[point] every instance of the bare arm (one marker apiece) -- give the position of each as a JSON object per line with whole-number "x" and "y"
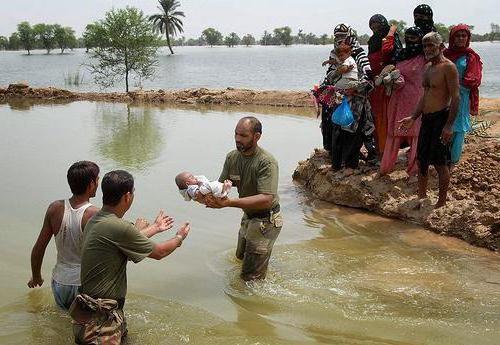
{"x": 257, "y": 202}
{"x": 38, "y": 251}
{"x": 163, "y": 249}
{"x": 453, "y": 85}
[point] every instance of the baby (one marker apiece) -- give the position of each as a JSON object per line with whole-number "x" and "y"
{"x": 194, "y": 187}
{"x": 345, "y": 75}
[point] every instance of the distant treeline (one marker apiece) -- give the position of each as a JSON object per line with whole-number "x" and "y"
{"x": 55, "y": 36}
{"x": 284, "y": 36}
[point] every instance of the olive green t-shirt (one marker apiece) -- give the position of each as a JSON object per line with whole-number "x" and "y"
{"x": 252, "y": 175}
{"x": 108, "y": 243}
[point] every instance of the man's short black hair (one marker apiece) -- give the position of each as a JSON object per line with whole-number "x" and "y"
{"x": 80, "y": 175}
{"x": 114, "y": 185}
{"x": 254, "y": 123}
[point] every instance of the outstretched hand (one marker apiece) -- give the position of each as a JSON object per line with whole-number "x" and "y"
{"x": 163, "y": 222}
{"x": 184, "y": 230}
{"x": 141, "y": 223}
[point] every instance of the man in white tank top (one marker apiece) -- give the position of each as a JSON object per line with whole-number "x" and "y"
{"x": 65, "y": 220}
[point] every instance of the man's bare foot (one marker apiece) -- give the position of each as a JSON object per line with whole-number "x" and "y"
{"x": 348, "y": 172}
{"x": 440, "y": 204}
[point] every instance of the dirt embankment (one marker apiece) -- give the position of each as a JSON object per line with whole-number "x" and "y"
{"x": 201, "y": 96}
{"x": 471, "y": 214}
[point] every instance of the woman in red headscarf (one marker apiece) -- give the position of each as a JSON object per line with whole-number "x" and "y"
{"x": 470, "y": 70}
{"x": 382, "y": 46}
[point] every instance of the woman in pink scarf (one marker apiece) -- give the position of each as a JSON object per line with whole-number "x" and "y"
{"x": 407, "y": 92}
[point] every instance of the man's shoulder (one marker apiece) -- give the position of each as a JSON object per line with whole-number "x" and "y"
{"x": 108, "y": 222}
{"x": 55, "y": 208}
{"x": 266, "y": 157}
{"x": 232, "y": 154}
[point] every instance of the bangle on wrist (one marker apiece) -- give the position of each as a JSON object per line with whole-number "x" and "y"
{"x": 180, "y": 238}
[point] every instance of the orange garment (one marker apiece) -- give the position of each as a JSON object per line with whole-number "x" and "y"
{"x": 378, "y": 99}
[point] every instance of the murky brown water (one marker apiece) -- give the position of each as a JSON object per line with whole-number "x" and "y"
{"x": 337, "y": 275}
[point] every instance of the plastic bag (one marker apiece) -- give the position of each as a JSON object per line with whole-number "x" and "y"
{"x": 342, "y": 115}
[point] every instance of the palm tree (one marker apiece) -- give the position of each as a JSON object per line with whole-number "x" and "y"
{"x": 168, "y": 21}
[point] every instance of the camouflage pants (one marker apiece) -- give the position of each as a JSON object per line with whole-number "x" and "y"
{"x": 97, "y": 321}
{"x": 255, "y": 243}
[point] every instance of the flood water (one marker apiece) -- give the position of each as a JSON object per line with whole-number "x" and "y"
{"x": 337, "y": 275}
{"x": 257, "y": 67}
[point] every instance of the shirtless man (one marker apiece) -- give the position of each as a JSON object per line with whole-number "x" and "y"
{"x": 438, "y": 107}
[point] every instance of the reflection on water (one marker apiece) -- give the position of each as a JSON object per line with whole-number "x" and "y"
{"x": 128, "y": 135}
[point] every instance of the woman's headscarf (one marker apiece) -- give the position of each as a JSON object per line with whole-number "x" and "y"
{"x": 426, "y": 25}
{"x": 411, "y": 49}
{"x": 375, "y": 42}
{"x": 344, "y": 33}
{"x": 474, "y": 70}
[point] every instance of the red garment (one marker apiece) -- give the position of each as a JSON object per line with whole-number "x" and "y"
{"x": 378, "y": 98}
{"x": 474, "y": 71}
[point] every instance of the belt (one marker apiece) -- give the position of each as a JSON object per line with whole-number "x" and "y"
{"x": 264, "y": 214}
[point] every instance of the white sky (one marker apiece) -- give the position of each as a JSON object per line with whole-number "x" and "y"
{"x": 253, "y": 16}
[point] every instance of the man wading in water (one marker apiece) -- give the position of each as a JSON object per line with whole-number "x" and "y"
{"x": 254, "y": 172}
{"x": 65, "y": 220}
{"x": 109, "y": 243}
{"x": 438, "y": 107}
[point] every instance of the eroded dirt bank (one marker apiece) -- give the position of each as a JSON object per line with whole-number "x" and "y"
{"x": 471, "y": 214}
{"x": 227, "y": 96}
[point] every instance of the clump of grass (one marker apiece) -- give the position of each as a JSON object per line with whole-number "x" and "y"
{"x": 480, "y": 128}
{"x": 73, "y": 79}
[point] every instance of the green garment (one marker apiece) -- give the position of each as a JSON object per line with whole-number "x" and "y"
{"x": 252, "y": 175}
{"x": 108, "y": 243}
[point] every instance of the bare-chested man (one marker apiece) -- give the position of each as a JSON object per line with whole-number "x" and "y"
{"x": 438, "y": 107}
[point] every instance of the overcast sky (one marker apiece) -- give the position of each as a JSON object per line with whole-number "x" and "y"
{"x": 253, "y": 16}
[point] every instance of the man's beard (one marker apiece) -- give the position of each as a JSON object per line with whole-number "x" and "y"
{"x": 242, "y": 148}
{"x": 431, "y": 56}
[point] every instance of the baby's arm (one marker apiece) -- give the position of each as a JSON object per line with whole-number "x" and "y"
{"x": 329, "y": 62}
{"x": 345, "y": 69}
{"x": 226, "y": 186}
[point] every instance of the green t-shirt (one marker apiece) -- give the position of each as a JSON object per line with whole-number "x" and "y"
{"x": 252, "y": 175}
{"x": 108, "y": 243}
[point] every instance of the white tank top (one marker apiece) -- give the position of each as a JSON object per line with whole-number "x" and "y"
{"x": 68, "y": 244}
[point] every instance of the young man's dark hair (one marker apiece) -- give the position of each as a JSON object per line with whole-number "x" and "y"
{"x": 114, "y": 185}
{"x": 256, "y": 124}
{"x": 80, "y": 174}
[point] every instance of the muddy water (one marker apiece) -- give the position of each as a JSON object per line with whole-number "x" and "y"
{"x": 337, "y": 275}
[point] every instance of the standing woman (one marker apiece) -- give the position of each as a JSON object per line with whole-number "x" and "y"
{"x": 470, "y": 70}
{"x": 407, "y": 92}
{"x": 382, "y": 46}
{"x": 360, "y": 105}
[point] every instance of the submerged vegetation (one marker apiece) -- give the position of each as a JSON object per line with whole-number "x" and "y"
{"x": 73, "y": 79}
